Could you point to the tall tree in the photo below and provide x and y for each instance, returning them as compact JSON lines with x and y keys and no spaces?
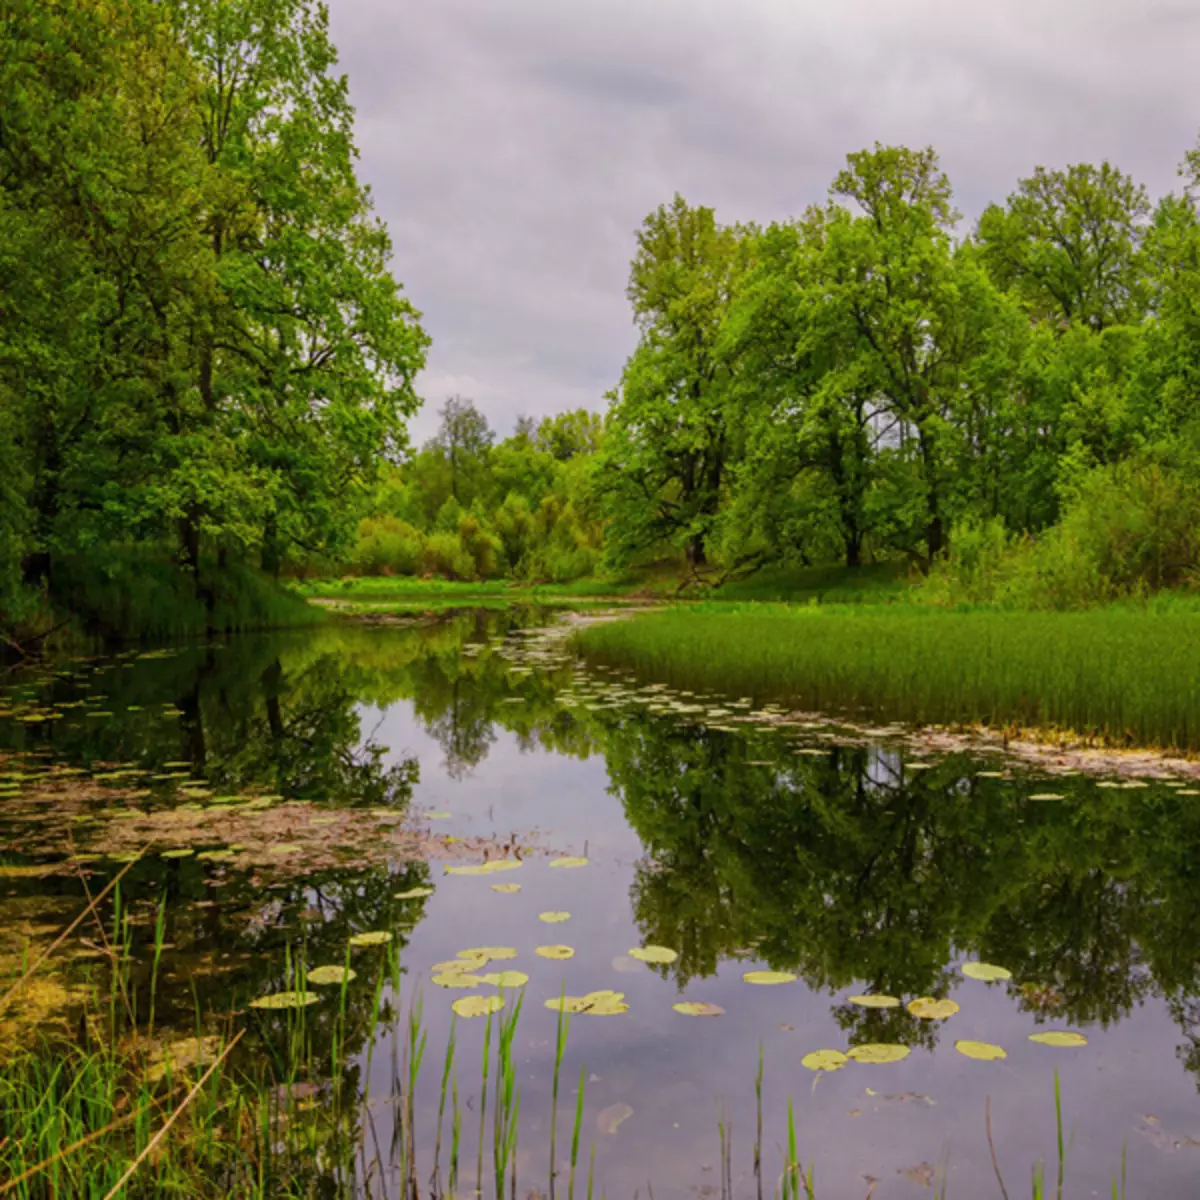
{"x":463,"y":438}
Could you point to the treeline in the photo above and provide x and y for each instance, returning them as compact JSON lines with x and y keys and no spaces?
{"x":1015,"y":407}
{"x":203,"y":354}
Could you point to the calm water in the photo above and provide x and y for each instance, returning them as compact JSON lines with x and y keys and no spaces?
{"x":738,"y":844}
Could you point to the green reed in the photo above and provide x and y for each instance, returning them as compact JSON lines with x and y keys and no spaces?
{"x":1124,"y":674}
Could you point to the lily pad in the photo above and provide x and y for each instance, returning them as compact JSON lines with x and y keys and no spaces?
{"x":286,"y":848}
{"x":610,"y":1119}
{"x":769,"y":977}
{"x":929,"y":1009}
{"x":555,"y":952}
{"x":457,"y":979}
{"x":438,"y":816}
{"x":413,"y":893}
{"x":598,"y":1004}
{"x":328,"y":975}
{"x":477,"y":1006}
{"x":654,"y":954}
{"x":875,"y":1001}
{"x":984,"y":1051}
{"x":379,"y":938}
{"x":568,"y":862}
{"x":878,"y":1052}
{"x":506,"y":889}
{"x":1047,"y":796}
{"x":985,"y":971}
{"x":698,"y":1008}
{"x":1059,"y":1037}
{"x":285,"y":1000}
{"x":182,"y":852}
{"x":489,"y":953}
{"x":506,"y":979}
{"x":554,"y":918}
{"x":486,"y":868}
{"x":824,"y":1060}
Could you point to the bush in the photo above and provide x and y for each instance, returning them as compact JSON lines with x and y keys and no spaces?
{"x":387,"y":546}
{"x":445,"y":555}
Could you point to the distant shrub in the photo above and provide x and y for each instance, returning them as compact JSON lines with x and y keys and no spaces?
{"x":387,"y":546}
{"x":445,"y":555}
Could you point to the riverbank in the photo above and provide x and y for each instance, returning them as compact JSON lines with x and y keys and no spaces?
{"x":1121,"y":676}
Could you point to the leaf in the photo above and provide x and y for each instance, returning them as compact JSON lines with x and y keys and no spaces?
{"x":984,"y":1051}
{"x":698,"y":1008}
{"x":413,"y":893}
{"x":285,"y":1000}
{"x":1059,"y":1037}
{"x":477,"y":1006}
{"x":878,"y":1052}
{"x":554,"y":918}
{"x":596,"y":1004}
{"x":985,"y":971}
{"x":568,"y":862}
{"x":654,"y":954}
{"x":437,"y":816}
{"x":1047,"y":796}
{"x":183,"y":852}
{"x":824,"y":1060}
{"x":380,"y":938}
{"x":767,"y":978}
{"x":875,"y":1001}
{"x":489,"y":953}
{"x":929,"y":1009}
{"x":610,"y":1119}
{"x":487,"y":868}
{"x":326,"y":975}
{"x":457,"y":979}
{"x":506,"y":979}
{"x":554,"y":952}
{"x":506,"y":889}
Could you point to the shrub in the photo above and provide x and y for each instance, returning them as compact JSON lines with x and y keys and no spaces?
{"x":387,"y":546}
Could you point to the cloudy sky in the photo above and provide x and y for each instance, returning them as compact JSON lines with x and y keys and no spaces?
{"x":515,"y":146}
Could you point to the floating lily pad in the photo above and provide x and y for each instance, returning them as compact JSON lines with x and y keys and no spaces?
{"x":478,"y":1006}
{"x":568,"y":862}
{"x":380,"y":938}
{"x":554,"y":918}
{"x":182,"y":852}
{"x":610,"y":1119}
{"x":824,"y":1060}
{"x":1047,"y":796}
{"x":698,"y":1008}
{"x":286,"y":848}
{"x":596,"y":1004}
{"x":457,"y":979}
{"x":878,"y":1052}
{"x":215,"y":855}
{"x":555,"y":952}
{"x":487,"y":868}
{"x":506,"y":889}
{"x":875,"y":1001}
{"x":929,"y":1009}
{"x":654,"y":954}
{"x":1059,"y":1037}
{"x":985,"y":971}
{"x":489,"y":953}
{"x":437,"y":816}
{"x":983,"y":1051}
{"x":769,"y":977}
{"x":506,"y":979}
{"x":328,"y":975}
{"x":413,"y":893}
{"x":285,"y":1000}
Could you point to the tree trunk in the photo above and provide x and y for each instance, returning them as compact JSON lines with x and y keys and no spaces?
{"x":696,"y":557}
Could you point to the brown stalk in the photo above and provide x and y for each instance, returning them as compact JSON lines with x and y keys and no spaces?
{"x":987,"y":1116}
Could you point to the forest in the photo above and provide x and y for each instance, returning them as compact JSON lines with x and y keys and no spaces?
{"x":207,"y":365}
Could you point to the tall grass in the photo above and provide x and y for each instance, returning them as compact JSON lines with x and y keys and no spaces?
{"x":1129,"y":675}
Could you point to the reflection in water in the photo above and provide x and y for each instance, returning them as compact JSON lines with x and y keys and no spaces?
{"x":853,"y":866}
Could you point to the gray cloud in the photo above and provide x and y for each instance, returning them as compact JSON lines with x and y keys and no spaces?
{"x":515,"y":148}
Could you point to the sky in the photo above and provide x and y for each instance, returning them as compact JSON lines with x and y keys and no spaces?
{"x":514,"y":147}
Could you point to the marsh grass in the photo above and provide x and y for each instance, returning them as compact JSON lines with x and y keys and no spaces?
{"x":1126,"y":675}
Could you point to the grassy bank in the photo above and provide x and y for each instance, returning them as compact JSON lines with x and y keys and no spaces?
{"x":1128,"y":675}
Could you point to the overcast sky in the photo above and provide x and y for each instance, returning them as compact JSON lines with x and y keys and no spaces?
{"x":515,"y":146}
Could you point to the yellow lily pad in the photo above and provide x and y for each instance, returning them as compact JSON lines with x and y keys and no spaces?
{"x":769,"y":977}
{"x":554,"y":918}
{"x":327,"y":975}
{"x":985,"y":971}
{"x":285,"y":1000}
{"x":487,"y":868}
{"x":477,"y":1006}
{"x":568,"y":862}
{"x":878,"y":1052}
{"x":1059,"y":1037}
{"x":413,"y":893}
{"x":457,"y":979}
{"x":489,"y":953}
{"x":1047,"y":796}
{"x":380,"y":938}
{"x":555,"y":952}
{"x":654,"y":954}
{"x":506,"y":889}
{"x":438,"y":816}
{"x":824,"y":1060}
{"x":182,"y":852}
{"x":286,"y":848}
{"x":875,"y":1001}
{"x":929,"y":1009}
{"x":698,"y":1008}
{"x":984,"y":1051}
{"x":595,"y":1004}
{"x":506,"y":979}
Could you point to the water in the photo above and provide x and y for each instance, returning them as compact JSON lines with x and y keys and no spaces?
{"x":844,"y":859}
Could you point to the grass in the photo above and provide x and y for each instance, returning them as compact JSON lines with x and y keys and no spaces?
{"x":1127,"y":675}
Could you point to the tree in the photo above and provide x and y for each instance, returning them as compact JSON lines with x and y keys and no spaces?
{"x":463,"y":438}
{"x":1069,"y":244}
{"x":667,"y":436}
